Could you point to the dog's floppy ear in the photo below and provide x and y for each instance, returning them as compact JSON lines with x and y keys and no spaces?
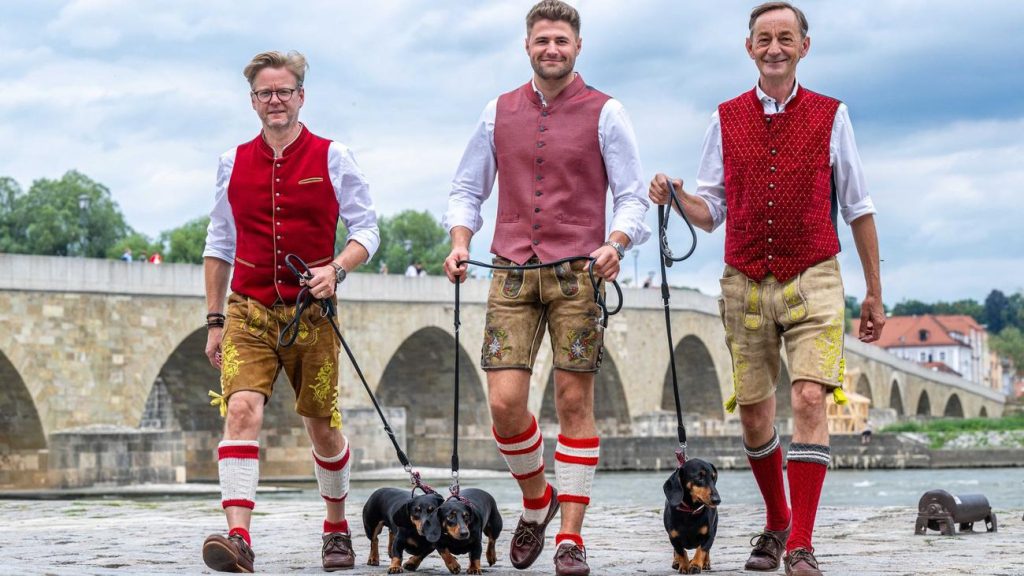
{"x":714,"y":471}
{"x":401,"y":516}
{"x":674,"y":489}
{"x":432,"y":526}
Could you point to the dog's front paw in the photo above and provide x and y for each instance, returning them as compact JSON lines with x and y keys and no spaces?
{"x":395,"y":570}
{"x":694,"y":569}
{"x":454,"y":567}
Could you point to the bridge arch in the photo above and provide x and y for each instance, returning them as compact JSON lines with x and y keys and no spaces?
{"x":179,"y":400}
{"x":420,"y":377}
{"x":953,"y":408}
{"x":20,"y":426}
{"x":983,"y":413}
{"x":924,"y":405}
{"x":699,"y":389}
{"x":896,"y":397}
{"x":863,"y":388}
{"x":611,"y":408}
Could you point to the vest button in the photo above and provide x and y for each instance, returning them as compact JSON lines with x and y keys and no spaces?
{"x":538,"y":193}
{"x":774,"y":151}
{"x":544,"y":113}
{"x":543,"y":128}
{"x":772,"y":168}
{"x":540,"y":144}
{"x":769,"y":222}
{"x":771,"y":186}
{"x":540,"y":160}
{"x":769,"y":240}
{"x":535,"y":242}
{"x":539,"y":177}
{"x":277,"y":180}
{"x":277,"y":194}
{"x":536,"y":209}
{"x":280,"y":251}
{"x":536,"y":226}
{"x":767,"y":118}
{"x":280,"y":281}
{"x":278,"y":165}
{"x":278,"y":237}
{"x":278,"y":208}
{"x":770,"y":203}
{"x":769,"y":256}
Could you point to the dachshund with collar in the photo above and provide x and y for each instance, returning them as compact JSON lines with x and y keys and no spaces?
{"x":412,"y":523}
{"x":465,"y":520}
{"x":691,"y":515}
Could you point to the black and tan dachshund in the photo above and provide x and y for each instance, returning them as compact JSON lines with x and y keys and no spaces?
{"x":691,"y":515}
{"x":412,"y":523}
{"x":465,"y":521}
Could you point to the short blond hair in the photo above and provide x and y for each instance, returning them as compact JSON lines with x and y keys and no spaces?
{"x":293,"y":61}
{"x":556,"y":11}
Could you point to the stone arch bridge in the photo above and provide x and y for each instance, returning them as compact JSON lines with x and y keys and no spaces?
{"x":103,"y":376}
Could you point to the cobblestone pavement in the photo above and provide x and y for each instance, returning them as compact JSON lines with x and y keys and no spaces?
{"x":164,"y":537}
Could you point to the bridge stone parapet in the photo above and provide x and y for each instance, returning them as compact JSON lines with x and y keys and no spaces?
{"x":91,"y":342}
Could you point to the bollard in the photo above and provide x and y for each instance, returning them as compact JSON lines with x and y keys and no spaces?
{"x":939,"y":510}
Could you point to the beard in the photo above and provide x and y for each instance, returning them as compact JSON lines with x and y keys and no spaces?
{"x":548,"y":74}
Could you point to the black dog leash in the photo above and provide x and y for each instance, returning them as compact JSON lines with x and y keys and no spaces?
{"x":602,"y":324}
{"x":666,"y":260}
{"x":291,"y":331}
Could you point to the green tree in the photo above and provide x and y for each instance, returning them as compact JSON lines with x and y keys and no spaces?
{"x":912,"y":308}
{"x":1010,"y":343}
{"x":186,"y":242}
{"x":409,"y":237}
{"x":72,"y":216}
{"x":997,"y":309}
{"x":9,"y":192}
{"x":140,"y":244}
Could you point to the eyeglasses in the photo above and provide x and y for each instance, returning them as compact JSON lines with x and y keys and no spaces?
{"x":284,"y":94}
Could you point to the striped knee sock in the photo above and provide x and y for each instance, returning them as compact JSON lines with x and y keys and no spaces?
{"x":524,"y":452}
{"x":238,"y":465}
{"x":766,"y":464}
{"x":332,"y":474}
{"x":806,"y":465}
{"x":575,"y":462}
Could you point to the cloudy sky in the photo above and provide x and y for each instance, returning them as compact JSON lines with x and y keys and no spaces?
{"x":143,"y":97}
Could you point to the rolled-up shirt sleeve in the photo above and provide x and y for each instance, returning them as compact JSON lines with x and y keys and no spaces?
{"x":625,"y":173}
{"x":354,"y":203}
{"x":711,"y":173}
{"x":851,"y":187}
{"x":474,"y":178}
{"x":220,"y":234}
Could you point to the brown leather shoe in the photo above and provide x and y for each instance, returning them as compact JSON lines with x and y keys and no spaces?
{"x":768,"y":548}
{"x":230,"y":554}
{"x":528,"y":539}
{"x":801,"y":562}
{"x":571,"y":560}
{"x":337,"y":552}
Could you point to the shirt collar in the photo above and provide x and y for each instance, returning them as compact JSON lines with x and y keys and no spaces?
{"x":769,"y":101}
{"x":540,"y":95}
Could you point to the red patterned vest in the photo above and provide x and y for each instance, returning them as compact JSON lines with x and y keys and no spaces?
{"x":778,"y":184}
{"x":283,"y":206}
{"x":552,"y":183}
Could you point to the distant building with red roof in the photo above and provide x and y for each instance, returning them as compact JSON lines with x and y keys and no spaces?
{"x":946,"y":343}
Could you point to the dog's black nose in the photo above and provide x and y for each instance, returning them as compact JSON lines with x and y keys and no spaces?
{"x":715,"y":499}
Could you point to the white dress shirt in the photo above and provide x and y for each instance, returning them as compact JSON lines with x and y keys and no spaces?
{"x":350,"y":187}
{"x":851,"y":188}
{"x":475,"y":176}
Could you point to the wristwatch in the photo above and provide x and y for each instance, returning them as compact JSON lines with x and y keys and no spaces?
{"x":619,"y":248}
{"x":339,"y":273}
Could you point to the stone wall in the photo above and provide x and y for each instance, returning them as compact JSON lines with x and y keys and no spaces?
{"x":107,"y":455}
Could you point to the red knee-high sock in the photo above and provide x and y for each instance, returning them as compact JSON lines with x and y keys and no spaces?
{"x":806,"y":467}
{"x":766,"y":464}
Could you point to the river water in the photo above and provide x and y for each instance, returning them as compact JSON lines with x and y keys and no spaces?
{"x":1004,"y":487}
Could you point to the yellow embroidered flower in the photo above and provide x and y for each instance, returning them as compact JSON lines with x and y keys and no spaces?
{"x":322,"y":388}
{"x":230,"y":363}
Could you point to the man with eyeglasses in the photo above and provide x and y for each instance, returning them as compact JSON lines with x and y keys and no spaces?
{"x":278,"y":194}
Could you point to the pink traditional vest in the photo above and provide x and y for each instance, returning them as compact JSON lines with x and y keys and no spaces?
{"x":283,"y":206}
{"x":552,"y":183}
{"x":778,"y":184}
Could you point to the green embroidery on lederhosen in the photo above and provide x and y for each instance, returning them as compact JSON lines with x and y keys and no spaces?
{"x":495,"y":344}
{"x":794,"y":300}
{"x":513,"y":283}
{"x":752,"y":318}
{"x":581,"y":344}
{"x":568,"y":282}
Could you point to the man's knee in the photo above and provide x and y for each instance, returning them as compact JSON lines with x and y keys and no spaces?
{"x":574,"y":399}
{"x":245,"y":414}
{"x":808,"y":398}
{"x":758,"y":418}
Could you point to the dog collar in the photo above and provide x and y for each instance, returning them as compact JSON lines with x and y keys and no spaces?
{"x":687,"y":510}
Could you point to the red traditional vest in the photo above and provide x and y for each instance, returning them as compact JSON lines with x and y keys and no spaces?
{"x":552,"y":183}
{"x":778,"y":184}
{"x":283,"y":206}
